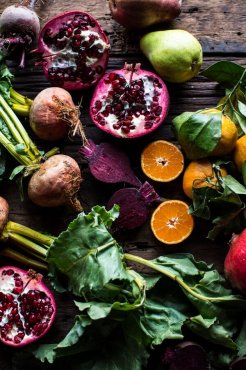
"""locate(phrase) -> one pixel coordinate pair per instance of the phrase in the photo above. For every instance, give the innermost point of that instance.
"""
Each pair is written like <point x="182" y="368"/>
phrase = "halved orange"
<point x="162" y="161"/>
<point x="171" y="222"/>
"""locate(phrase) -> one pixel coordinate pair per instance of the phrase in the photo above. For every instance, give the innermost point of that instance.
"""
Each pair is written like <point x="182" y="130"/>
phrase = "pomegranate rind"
<point x="36" y="283"/>
<point x="139" y="123"/>
<point x="48" y="56"/>
<point x="235" y="262"/>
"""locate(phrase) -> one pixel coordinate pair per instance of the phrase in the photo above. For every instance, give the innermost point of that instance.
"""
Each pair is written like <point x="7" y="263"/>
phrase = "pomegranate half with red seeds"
<point x="27" y="307"/>
<point x="130" y="102"/>
<point x="74" y="50"/>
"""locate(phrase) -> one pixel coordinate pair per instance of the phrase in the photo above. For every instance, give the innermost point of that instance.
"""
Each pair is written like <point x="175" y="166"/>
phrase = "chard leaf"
<point x="224" y="72"/>
<point x="199" y="133"/>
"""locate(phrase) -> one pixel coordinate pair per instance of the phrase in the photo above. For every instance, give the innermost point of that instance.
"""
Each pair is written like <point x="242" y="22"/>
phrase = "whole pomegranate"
<point x="138" y="14"/>
<point x="27" y="307"/>
<point x="235" y="262"/>
<point x="74" y="50"/>
<point x="130" y="102"/>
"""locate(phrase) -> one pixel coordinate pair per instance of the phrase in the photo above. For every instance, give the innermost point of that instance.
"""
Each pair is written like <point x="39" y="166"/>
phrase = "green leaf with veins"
<point x="198" y="133"/>
<point x="185" y="292"/>
<point x="82" y="253"/>
<point x="224" y="71"/>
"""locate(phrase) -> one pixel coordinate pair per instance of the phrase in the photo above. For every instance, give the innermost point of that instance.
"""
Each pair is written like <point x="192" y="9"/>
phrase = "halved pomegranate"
<point x="130" y="102"/>
<point x="27" y="307"/>
<point x="74" y="50"/>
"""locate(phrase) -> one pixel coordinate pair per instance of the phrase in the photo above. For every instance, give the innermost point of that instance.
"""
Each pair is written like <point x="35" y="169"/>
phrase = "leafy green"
<point x="233" y="104"/>
<point x="122" y="314"/>
<point x="5" y="80"/>
<point x="83" y="257"/>
<point x="224" y="71"/>
<point x="198" y="133"/>
<point x="222" y="205"/>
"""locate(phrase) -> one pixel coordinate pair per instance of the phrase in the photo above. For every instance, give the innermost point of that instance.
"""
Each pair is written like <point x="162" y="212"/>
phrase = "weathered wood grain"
<point x="220" y="26"/>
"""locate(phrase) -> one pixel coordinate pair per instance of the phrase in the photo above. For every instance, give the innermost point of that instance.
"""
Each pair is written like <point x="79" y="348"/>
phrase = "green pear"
<point x="176" y="55"/>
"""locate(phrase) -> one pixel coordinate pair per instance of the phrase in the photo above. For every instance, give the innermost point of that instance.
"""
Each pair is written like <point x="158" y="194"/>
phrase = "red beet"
<point x="53" y="115"/>
<point x="19" y="27"/>
<point x="235" y="262"/>
<point x="56" y="183"/>
<point x="134" y="205"/>
<point x="238" y="364"/>
<point x="186" y="356"/>
<point x="108" y="163"/>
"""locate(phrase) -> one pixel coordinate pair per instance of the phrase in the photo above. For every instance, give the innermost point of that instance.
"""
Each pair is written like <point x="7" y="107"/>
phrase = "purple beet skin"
<point x="134" y="205"/>
<point x="186" y="356"/>
<point x="108" y="163"/>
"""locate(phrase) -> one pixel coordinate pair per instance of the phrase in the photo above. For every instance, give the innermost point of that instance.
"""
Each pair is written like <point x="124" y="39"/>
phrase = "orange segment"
<point x="162" y="161"/>
<point x="171" y="222"/>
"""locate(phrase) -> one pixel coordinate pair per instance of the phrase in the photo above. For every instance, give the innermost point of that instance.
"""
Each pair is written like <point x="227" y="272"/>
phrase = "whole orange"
<point x="199" y="174"/>
<point x="239" y="154"/>
<point x="229" y="135"/>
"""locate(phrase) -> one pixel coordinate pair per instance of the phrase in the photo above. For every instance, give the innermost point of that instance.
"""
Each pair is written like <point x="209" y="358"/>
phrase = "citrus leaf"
<point x="199" y="133"/>
<point x="224" y="72"/>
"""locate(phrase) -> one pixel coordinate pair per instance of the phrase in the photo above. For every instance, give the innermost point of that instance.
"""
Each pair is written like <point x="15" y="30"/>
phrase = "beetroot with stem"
<point x="17" y="142"/>
<point x="130" y="102"/>
<point x="53" y="115"/>
<point x="74" y="50"/>
<point x="56" y="183"/>
<point x="27" y="306"/>
<point x="19" y="27"/>
<point x="134" y="205"/>
<point x="108" y="163"/>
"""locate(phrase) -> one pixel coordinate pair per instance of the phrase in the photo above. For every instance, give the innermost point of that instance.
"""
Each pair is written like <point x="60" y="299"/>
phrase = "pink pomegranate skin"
<point x="138" y="14"/>
<point x="74" y="50"/>
<point x="235" y="262"/>
<point x="130" y="102"/>
<point x="28" y="307"/>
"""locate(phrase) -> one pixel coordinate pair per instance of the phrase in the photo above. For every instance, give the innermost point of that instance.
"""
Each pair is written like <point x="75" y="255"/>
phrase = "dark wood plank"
<point x="220" y="28"/>
<point x="218" y="25"/>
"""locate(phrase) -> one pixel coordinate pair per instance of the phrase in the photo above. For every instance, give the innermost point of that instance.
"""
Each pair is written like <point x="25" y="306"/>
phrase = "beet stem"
<point x="14" y="125"/>
<point x="12" y="254"/>
<point x="52" y="152"/>
<point x="19" y="98"/>
<point x="182" y="284"/>
<point x="45" y="240"/>
<point x="31" y="246"/>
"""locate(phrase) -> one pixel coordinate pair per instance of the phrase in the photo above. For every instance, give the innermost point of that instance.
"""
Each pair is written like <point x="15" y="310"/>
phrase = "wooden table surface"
<point x="220" y="27"/>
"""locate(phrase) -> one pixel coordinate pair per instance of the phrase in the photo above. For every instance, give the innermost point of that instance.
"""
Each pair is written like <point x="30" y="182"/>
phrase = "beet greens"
<point x="119" y="308"/>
